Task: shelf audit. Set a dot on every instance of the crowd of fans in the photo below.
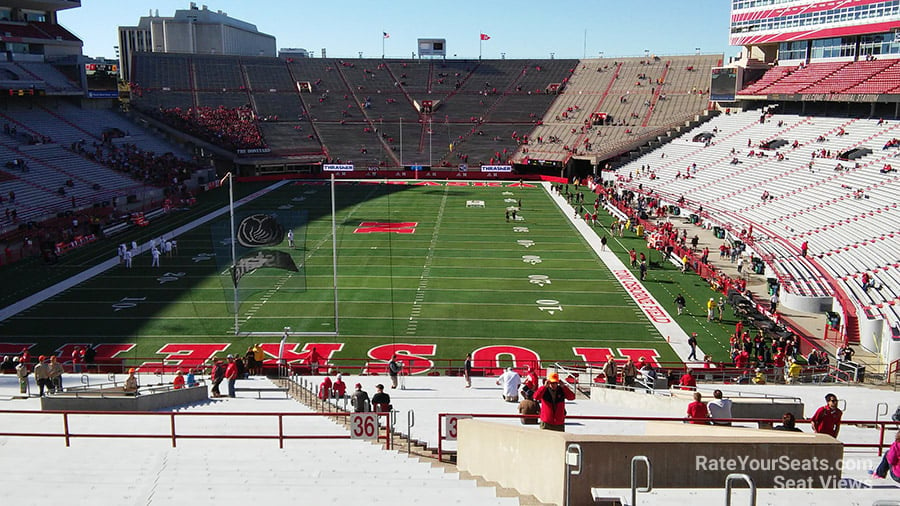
(231, 128)
(166, 171)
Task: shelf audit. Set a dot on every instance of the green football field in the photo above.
(437, 265)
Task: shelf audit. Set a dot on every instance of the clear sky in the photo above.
(521, 29)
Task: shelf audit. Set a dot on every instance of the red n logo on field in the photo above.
(371, 227)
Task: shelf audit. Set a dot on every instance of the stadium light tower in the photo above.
(697, 49)
(230, 177)
(647, 52)
(601, 54)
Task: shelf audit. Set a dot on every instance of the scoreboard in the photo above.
(724, 83)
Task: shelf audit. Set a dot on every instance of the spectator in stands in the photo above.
(510, 380)
(528, 407)
(131, 383)
(339, 388)
(231, 374)
(648, 372)
(553, 396)
(719, 408)
(845, 354)
(531, 379)
(687, 381)
(7, 366)
(325, 388)
(394, 369)
(217, 374)
(890, 463)
(22, 374)
(792, 374)
(178, 381)
(190, 379)
(42, 375)
(360, 400)
(788, 423)
(55, 372)
(827, 419)
(759, 377)
(381, 402)
(697, 411)
(629, 372)
(610, 372)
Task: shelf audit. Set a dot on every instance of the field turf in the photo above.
(436, 265)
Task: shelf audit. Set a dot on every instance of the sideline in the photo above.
(652, 309)
(62, 286)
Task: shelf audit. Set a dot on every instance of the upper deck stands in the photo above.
(846, 215)
(861, 77)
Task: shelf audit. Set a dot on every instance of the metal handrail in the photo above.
(731, 478)
(634, 487)
(173, 434)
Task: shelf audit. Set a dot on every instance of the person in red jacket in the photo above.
(827, 419)
(553, 396)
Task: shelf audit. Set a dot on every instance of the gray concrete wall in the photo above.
(676, 404)
(682, 455)
(88, 401)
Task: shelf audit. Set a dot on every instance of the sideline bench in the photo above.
(259, 390)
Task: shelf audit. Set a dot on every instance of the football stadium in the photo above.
(235, 273)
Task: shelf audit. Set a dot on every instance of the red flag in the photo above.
(485, 36)
(386, 35)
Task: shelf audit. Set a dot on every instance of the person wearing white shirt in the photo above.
(155, 253)
(510, 381)
(719, 408)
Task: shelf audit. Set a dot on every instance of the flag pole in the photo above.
(230, 177)
(382, 43)
(480, 42)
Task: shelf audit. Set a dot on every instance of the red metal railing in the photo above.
(879, 425)
(173, 434)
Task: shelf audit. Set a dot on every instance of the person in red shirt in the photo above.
(231, 374)
(698, 411)
(553, 396)
(687, 381)
(339, 388)
(314, 359)
(325, 388)
(531, 379)
(827, 419)
(178, 381)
